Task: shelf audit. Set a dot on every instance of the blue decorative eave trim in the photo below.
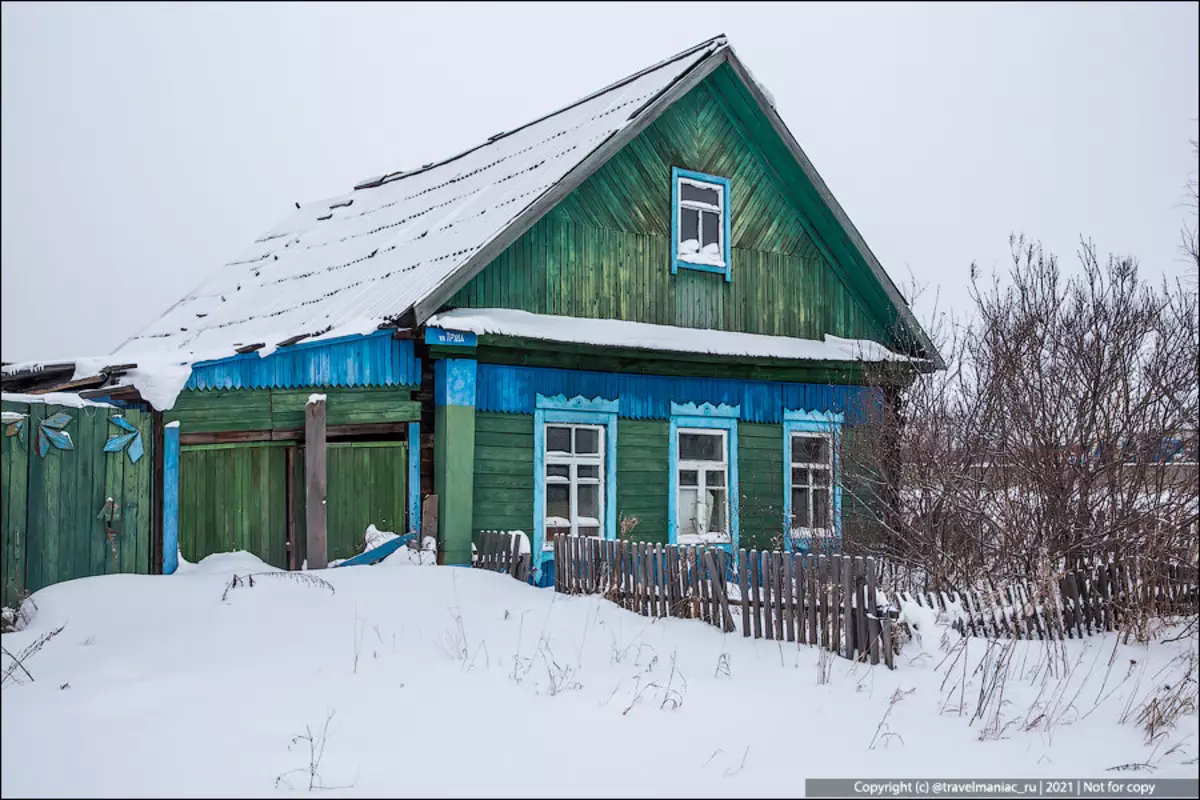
(578, 403)
(818, 417)
(376, 359)
(705, 410)
(513, 390)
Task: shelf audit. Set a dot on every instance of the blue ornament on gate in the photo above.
(50, 432)
(130, 441)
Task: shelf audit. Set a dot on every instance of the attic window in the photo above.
(700, 222)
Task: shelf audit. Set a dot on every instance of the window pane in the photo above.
(689, 477)
(587, 440)
(558, 500)
(820, 477)
(800, 508)
(588, 530)
(699, 194)
(558, 471)
(689, 230)
(558, 440)
(800, 476)
(700, 447)
(716, 510)
(710, 229)
(810, 450)
(588, 470)
(820, 508)
(589, 500)
(687, 511)
(714, 477)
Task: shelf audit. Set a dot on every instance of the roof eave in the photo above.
(427, 306)
(839, 213)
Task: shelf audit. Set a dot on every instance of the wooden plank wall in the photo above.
(604, 250)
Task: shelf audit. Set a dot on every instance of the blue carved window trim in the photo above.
(827, 424)
(722, 417)
(682, 261)
(576, 411)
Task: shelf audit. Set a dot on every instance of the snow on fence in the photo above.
(827, 601)
(499, 551)
(1112, 595)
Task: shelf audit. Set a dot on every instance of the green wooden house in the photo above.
(642, 315)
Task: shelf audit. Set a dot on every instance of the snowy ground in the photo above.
(449, 681)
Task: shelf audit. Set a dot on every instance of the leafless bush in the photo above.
(1063, 431)
(561, 677)
(302, 578)
(17, 662)
(315, 744)
(883, 732)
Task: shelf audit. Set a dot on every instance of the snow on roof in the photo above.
(347, 264)
(53, 399)
(647, 336)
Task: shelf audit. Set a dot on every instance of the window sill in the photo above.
(720, 269)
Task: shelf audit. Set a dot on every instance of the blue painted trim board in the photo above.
(716, 417)
(170, 504)
(579, 411)
(454, 381)
(801, 421)
(376, 359)
(414, 478)
(512, 390)
(379, 553)
(726, 216)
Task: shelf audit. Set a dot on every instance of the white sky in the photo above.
(143, 146)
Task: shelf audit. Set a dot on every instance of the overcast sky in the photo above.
(145, 145)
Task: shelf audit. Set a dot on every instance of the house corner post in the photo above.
(315, 482)
(170, 498)
(454, 456)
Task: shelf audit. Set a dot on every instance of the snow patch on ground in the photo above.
(171, 685)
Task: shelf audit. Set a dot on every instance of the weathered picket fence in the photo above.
(1105, 596)
(828, 601)
(498, 551)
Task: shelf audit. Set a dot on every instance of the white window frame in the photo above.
(573, 461)
(698, 257)
(828, 466)
(702, 467)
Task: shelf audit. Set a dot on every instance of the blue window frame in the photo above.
(581, 454)
(703, 494)
(700, 224)
(812, 491)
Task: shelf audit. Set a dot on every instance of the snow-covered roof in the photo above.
(647, 336)
(349, 263)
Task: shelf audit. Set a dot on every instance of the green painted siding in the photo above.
(604, 250)
(52, 525)
(760, 482)
(503, 473)
(234, 497)
(642, 477)
(366, 487)
(264, 409)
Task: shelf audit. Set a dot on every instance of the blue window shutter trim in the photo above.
(726, 222)
(799, 421)
(579, 411)
(414, 479)
(724, 421)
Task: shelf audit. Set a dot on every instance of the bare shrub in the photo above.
(315, 745)
(16, 665)
(302, 578)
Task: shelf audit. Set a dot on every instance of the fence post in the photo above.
(315, 483)
(170, 500)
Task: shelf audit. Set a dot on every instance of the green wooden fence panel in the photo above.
(14, 473)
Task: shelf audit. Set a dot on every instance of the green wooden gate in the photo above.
(367, 485)
(74, 510)
(236, 497)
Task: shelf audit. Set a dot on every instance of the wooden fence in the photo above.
(501, 552)
(828, 601)
(1106, 596)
